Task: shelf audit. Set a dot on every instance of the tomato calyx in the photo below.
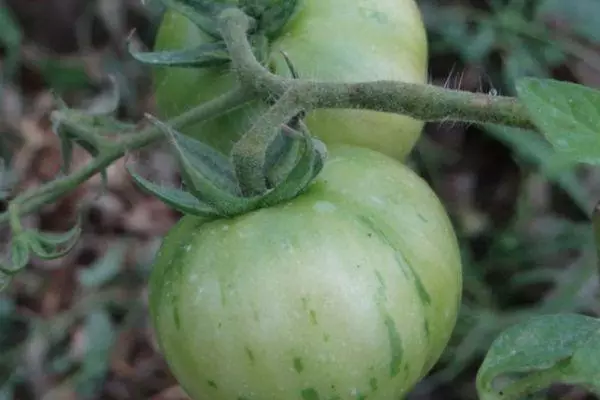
(212, 187)
(268, 18)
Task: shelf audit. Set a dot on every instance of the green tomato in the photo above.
(349, 291)
(332, 40)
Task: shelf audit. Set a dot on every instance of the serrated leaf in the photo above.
(538, 344)
(567, 114)
(105, 269)
(206, 173)
(202, 56)
(178, 199)
(100, 337)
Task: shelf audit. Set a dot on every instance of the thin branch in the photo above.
(35, 198)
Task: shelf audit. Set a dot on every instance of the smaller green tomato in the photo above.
(326, 40)
(349, 291)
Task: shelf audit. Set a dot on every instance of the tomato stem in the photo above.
(421, 101)
(33, 199)
(425, 102)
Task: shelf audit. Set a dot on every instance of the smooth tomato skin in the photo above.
(332, 40)
(349, 290)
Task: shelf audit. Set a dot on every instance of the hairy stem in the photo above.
(35, 198)
(424, 102)
(420, 101)
(250, 152)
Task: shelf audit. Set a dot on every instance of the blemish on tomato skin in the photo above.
(396, 349)
(176, 318)
(298, 365)
(250, 355)
(212, 384)
(373, 384)
(310, 394)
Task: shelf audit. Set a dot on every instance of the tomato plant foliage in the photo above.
(326, 40)
(348, 291)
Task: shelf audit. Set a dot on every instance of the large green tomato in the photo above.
(349, 291)
(333, 40)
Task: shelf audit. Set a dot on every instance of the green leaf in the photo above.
(175, 198)
(567, 114)
(51, 245)
(533, 148)
(596, 230)
(201, 13)
(62, 76)
(533, 354)
(105, 269)
(580, 15)
(100, 337)
(11, 37)
(277, 15)
(584, 367)
(204, 55)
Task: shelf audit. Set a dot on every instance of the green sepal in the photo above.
(19, 254)
(281, 157)
(52, 245)
(204, 55)
(201, 13)
(306, 169)
(177, 199)
(274, 18)
(207, 174)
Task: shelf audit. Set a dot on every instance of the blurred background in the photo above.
(78, 328)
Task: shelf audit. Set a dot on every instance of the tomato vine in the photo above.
(221, 191)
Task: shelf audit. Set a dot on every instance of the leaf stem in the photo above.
(49, 192)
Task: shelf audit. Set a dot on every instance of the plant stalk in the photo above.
(424, 102)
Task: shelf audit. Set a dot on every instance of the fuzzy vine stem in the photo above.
(49, 192)
(420, 101)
